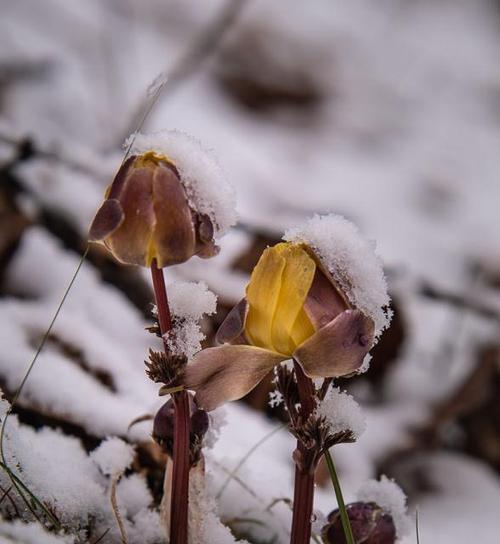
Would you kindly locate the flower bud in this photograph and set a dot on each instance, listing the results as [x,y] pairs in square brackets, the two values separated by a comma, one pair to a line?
[369,523]
[163,428]
[146,216]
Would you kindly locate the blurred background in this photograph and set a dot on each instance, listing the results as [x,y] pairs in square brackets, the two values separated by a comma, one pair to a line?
[385,112]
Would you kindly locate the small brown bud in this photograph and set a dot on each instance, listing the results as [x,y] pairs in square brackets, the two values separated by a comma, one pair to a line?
[163,428]
[369,523]
[146,216]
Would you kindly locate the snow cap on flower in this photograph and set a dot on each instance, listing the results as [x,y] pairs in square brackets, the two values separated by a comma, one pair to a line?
[387,494]
[168,202]
[302,302]
[351,260]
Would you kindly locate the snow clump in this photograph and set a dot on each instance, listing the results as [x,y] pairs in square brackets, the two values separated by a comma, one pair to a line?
[207,189]
[352,261]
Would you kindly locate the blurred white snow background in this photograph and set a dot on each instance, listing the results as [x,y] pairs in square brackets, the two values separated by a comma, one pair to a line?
[385,112]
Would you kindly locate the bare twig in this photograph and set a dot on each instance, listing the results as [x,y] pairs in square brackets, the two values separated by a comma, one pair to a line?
[116,510]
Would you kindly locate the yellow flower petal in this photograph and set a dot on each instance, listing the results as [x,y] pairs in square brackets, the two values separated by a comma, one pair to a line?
[262,294]
[302,330]
[289,316]
[276,294]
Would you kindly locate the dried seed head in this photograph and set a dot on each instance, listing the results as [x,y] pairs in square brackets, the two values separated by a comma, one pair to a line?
[369,523]
[165,368]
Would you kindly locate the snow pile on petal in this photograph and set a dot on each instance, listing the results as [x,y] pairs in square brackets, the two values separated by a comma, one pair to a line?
[352,261]
[391,498]
[207,189]
[342,413]
[113,456]
[188,301]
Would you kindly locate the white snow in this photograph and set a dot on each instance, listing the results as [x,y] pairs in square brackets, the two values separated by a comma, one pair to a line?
[390,497]
[217,421]
[208,190]
[18,532]
[405,144]
[189,302]
[113,456]
[352,261]
[275,399]
[342,413]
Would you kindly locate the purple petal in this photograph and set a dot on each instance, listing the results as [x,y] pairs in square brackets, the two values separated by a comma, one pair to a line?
[337,349]
[108,218]
[232,329]
[226,373]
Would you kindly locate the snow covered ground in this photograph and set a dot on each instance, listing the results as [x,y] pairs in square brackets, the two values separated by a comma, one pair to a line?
[397,128]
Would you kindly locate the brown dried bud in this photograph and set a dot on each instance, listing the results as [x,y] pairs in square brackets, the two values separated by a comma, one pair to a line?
[164,368]
[146,216]
[163,429]
[369,523]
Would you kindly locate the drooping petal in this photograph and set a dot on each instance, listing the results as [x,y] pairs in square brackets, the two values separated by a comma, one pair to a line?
[107,219]
[174,237]
[226,373]
[131,241]
[262,294]
[296,281]
[337,349]
[115,189]
[233,327]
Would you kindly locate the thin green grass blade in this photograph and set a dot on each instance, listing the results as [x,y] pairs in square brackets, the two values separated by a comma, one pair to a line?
[17,482]
[346,525]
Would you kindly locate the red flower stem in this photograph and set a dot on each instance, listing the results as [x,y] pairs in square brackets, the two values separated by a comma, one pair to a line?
[303,496]
[180,465]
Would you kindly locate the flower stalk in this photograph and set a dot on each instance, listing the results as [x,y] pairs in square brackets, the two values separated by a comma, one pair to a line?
[304,477]
[181,464]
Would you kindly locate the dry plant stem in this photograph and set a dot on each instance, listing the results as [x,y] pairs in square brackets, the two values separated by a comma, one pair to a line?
[180,476]
[304,479]
[116,510]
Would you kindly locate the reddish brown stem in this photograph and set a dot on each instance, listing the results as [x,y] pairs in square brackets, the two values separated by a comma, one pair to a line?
[180,462]
[303,497]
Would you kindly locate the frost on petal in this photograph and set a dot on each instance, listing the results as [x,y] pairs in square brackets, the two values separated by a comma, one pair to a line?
[391,498]
[113,456]
[352,261]
[342,413]
[207,189]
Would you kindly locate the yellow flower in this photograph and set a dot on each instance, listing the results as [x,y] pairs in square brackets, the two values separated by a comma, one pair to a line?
[293,309]
[146,216]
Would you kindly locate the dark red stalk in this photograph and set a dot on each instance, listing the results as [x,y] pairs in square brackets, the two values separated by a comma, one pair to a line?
[180,468]
[304,477]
